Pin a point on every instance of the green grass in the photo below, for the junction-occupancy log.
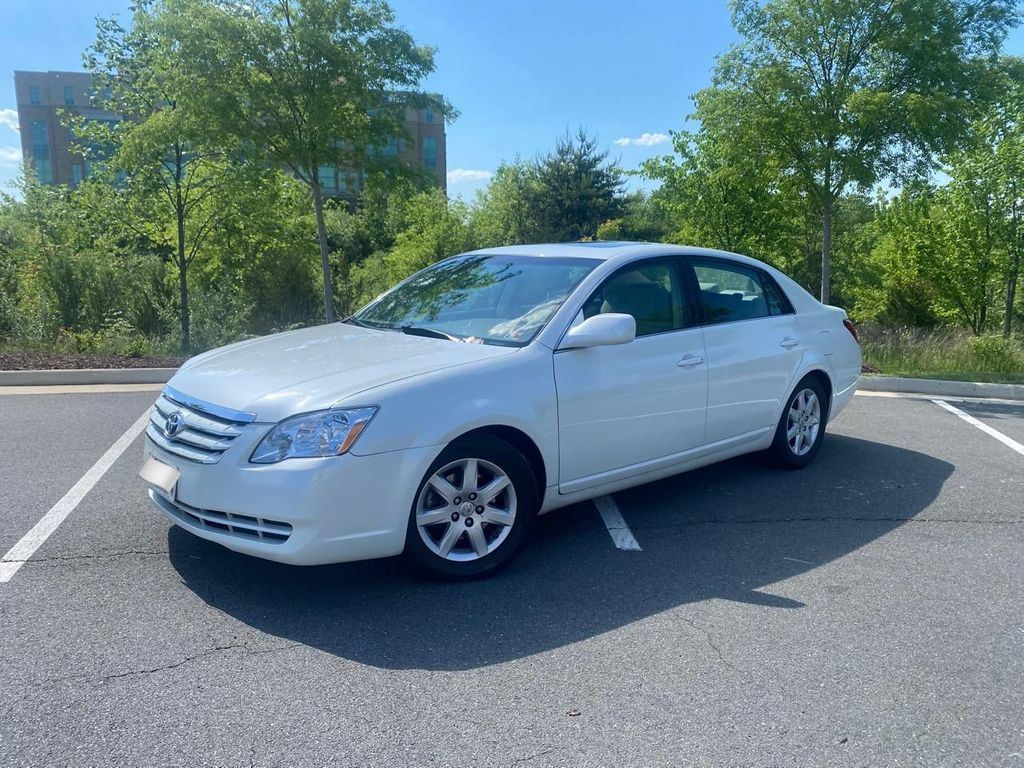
(942, 354)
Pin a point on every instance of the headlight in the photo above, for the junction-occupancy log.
(323, 433)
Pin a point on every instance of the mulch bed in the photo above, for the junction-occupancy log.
(37, 361)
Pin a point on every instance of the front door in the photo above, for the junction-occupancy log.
(631, 404)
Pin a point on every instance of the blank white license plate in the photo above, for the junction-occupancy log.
(159, 475)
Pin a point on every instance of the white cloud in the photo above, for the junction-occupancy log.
(460, 175)
(644, 140)
(9, 117)
(10, 156)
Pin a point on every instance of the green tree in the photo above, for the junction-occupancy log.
(506, 212)
(169, 169)
(721, 193)
(313, 85)
(261, 258)
(938, 250)
(577, 188)
(434, 229)
(852, 91)
(986, 179)
(643, 219)
(967, 262)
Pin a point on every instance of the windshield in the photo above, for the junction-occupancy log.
(478, 298)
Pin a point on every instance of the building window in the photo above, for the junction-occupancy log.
(349, 182)
(41, 151)
(44, 171)
(39, 133)
(391, 149)
(40, 141)
(33, 94)
(69, 96)
(328, 178)
(429, 152)
(428, 116)
(76, 174)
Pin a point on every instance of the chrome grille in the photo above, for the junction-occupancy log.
(242, 526)
(193, 430)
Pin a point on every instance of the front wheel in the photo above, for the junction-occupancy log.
(473, 509)
(801, 427)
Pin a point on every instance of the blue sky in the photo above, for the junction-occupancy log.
(520, 72)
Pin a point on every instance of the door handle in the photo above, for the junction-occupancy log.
(690, 361)
(789, 342)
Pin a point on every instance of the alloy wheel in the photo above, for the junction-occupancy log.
(803, 422)
(466, 509)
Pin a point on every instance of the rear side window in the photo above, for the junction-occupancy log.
(731, 292)
(651, 292)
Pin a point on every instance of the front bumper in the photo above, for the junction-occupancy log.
(339, 509)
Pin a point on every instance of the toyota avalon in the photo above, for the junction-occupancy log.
(442, 418)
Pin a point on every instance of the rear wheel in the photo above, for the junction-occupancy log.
(801, 427)
(473, 509)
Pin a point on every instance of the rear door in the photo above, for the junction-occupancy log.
(625, 405)
(753, 344)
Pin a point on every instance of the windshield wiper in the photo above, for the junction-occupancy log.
(353, 320)
(430, 333)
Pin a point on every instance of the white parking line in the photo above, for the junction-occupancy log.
(948, 399)
(31, 541)
(616, 524)
(1007, 441)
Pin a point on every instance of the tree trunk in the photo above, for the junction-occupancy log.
(186, 337)
(1011, 292)
(826, 250)
(325, 262)
(1011, 279)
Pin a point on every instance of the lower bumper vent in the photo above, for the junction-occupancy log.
(241, 526)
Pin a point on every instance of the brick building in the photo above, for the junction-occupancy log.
(46, 141)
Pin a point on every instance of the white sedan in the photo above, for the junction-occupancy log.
(443, 417)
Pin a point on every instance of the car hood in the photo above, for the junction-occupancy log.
(298, 371)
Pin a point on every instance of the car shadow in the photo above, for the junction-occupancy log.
(727, 531)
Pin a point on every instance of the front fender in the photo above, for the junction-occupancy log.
(515, 391)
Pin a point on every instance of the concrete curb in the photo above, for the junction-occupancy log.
(939, 388)
(869, 383)
(86, 376)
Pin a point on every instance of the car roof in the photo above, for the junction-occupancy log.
(606, 250)
(626, 251)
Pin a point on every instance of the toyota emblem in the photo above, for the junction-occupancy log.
(175, 423)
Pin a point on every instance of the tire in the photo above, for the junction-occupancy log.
(805, 413)
(472, 534)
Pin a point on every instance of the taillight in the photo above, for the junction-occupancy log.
(851, 328)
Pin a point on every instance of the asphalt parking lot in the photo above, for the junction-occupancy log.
(866, 611)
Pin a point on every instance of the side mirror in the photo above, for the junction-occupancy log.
(600, 331)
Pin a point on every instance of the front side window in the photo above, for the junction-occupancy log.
(504, 300)
(730, 292)
(651, 292)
